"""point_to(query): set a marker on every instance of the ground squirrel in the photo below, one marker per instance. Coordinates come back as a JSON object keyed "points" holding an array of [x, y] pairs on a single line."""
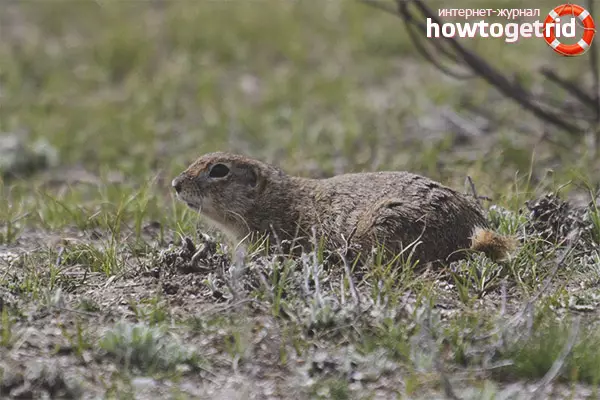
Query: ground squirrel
{"points": [[242, 196]]}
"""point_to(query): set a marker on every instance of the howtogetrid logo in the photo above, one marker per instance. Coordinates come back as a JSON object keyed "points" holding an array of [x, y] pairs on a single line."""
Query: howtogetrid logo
{"points": [[553, 19]]}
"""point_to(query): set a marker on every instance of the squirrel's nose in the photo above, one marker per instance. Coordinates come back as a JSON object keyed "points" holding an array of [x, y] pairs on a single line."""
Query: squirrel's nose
{"points": [[176, 183]]}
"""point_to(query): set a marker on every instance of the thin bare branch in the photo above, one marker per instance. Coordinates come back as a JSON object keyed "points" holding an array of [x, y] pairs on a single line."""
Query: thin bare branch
{"points": [[412, 32], [435, 51], [570, 87], [483, 69]]}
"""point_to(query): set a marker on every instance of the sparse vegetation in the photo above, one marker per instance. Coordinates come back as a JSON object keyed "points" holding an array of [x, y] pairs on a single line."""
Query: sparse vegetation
{"points": [[145, 348], [100, 295]]}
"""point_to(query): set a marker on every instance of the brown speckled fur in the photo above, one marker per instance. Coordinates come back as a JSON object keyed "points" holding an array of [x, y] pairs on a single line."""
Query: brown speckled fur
{"points": [[392, 209]]}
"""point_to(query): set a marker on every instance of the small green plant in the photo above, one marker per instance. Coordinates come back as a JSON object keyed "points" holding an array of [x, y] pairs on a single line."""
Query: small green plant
{"points": [[148, 349], [88, 305], [331, 388], [106, 259], [394, 337], [55, 212], [278, 283], [7, 325], [533, 356], [12, 230], [389, 279], [80, 340], [478, 274], [12, 216], [506, 222], [153, 311], [235, 344]]}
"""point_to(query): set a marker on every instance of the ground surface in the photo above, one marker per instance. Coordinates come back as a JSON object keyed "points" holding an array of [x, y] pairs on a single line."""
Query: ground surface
{"points": [[98, 294]]}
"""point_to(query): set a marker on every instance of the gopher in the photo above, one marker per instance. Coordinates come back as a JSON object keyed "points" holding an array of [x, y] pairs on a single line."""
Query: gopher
{"points": [[400, 212]]}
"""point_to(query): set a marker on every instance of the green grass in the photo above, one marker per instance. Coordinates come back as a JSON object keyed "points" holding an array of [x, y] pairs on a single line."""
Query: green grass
{"points": [[127, 94], [145, 348]]}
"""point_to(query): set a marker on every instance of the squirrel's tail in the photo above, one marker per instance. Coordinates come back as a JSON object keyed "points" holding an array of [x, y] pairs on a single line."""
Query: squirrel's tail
{"points": [[497, 247]]}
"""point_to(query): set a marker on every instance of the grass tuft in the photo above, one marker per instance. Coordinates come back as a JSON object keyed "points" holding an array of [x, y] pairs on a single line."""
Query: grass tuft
{"points": [[138, 347]]}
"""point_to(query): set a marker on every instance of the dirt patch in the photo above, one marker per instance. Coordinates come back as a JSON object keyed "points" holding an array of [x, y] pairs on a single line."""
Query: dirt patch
{"points": [[186, 318]]}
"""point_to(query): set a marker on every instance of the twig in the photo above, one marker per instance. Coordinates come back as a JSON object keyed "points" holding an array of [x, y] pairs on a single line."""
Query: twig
{"points": [[419, 45], [570, 87], [469, 180], [455, 52], [129, 285], [412, 32]]}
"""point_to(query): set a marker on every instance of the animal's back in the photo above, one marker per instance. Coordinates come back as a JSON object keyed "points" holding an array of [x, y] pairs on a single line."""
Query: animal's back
{"points": [[395, 209]]}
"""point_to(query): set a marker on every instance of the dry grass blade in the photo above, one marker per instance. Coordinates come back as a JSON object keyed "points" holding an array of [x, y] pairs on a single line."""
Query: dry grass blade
{"points": [[517, 319], [559, 362]]}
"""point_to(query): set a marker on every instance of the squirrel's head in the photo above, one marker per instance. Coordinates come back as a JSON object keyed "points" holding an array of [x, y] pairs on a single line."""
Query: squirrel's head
{"points": [[224, 187]]}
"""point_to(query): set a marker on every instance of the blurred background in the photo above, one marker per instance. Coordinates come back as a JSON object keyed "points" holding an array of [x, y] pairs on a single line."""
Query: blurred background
{"points": [[123, 95], [104, 102]]}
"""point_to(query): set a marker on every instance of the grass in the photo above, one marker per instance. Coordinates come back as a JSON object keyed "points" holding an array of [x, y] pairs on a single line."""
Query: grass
{"points": [[145, 348], [94, 269]]}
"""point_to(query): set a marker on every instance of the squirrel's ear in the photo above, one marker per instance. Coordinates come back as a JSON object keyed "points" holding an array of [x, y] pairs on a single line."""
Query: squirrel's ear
{"points": [[260, 180], [253, 177]]}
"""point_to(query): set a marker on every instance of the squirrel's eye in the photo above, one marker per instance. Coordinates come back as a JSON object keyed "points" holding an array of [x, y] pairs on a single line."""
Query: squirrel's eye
{"points": [[218, 171]]}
